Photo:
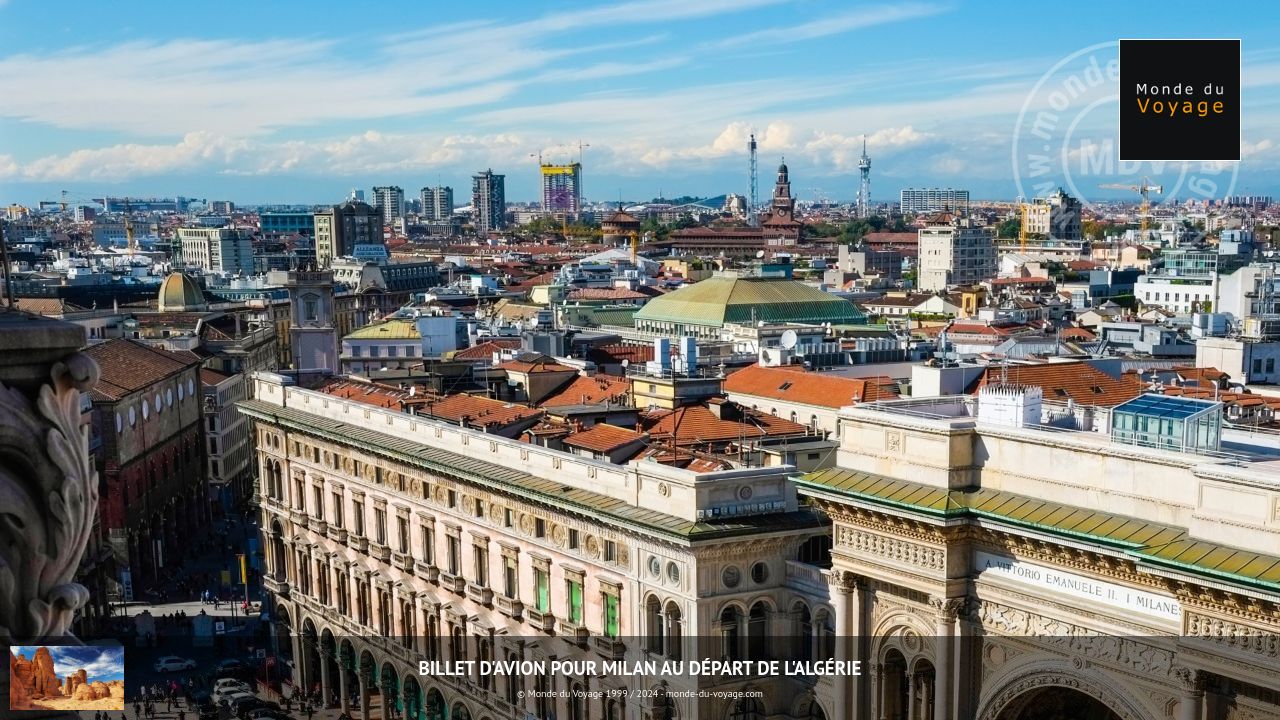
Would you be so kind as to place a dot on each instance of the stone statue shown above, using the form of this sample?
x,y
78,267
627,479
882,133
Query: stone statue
x,y
48,484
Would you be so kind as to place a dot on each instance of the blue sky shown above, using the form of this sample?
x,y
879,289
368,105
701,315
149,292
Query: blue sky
x,y
301,101
101,664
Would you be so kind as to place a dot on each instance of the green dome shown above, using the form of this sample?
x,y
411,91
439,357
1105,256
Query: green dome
x,y
728,298
180,293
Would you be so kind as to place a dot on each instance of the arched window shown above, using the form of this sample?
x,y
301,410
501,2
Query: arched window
x,y
758,632
515,682
731,633
803,631
655,623
746,709
577,709
825,629
794,417
675,632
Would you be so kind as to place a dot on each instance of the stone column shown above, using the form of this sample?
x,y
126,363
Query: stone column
x,y
944,667
913,697
1191,704
42,374
364,695
324,672
882,692
841,588
299,656
344,692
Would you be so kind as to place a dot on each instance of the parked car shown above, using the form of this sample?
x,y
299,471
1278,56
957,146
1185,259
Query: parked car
x,y
230,695
173,663
228,682
242,707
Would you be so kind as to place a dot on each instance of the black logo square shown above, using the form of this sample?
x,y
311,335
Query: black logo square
x,y
1180,100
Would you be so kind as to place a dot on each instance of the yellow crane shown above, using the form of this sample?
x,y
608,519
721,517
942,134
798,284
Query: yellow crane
x,y
1022,227
1144,211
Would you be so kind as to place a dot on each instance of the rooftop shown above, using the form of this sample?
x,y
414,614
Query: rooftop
x,y
1142,541
730,298
128,366
604,438
390,329
808,388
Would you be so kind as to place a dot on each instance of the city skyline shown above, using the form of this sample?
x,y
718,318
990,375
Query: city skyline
x,y
279,107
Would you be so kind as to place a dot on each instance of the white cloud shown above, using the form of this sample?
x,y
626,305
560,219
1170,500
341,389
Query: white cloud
x,y
239,88
858,19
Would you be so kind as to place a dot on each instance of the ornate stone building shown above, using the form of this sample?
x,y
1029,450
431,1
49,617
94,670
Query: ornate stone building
x,y
992,568
393,539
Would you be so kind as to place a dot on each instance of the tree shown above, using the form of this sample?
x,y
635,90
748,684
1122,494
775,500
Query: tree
x,y
1009,228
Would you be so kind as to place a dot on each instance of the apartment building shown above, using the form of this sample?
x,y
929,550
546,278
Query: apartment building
x,y
393,538
955,250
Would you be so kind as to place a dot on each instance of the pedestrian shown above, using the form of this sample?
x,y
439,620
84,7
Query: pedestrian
x,y
311,710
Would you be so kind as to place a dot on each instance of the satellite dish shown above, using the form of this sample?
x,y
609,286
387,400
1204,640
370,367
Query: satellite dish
x,y
789,339
626,363
759,253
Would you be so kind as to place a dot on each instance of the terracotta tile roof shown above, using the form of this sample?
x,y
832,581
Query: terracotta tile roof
x,y
129,366
1075,333
1080,265
604,438
1077,381
486,349
478,412
211,377
683,458
808,388
543,364
595,390
698,425
1208,377
366,392
617,353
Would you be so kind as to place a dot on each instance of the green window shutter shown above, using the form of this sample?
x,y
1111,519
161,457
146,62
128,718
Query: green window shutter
x,y
544,591
611,615
575,603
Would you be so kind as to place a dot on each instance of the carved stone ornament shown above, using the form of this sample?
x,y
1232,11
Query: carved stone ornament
x,y
48,484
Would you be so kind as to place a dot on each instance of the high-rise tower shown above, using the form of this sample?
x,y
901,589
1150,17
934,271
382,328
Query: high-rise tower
x,y
753,203
864,188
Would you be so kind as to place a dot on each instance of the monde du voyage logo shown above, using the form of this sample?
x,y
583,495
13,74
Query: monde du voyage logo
x,y
1180,100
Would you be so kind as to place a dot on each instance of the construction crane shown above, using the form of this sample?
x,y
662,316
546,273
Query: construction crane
x,y
1144,211
1022,227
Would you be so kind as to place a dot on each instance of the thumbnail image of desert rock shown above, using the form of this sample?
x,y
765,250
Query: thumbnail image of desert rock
x,y
33,685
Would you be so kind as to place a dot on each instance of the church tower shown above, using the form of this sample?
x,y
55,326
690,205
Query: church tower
x,y
783,208
312,333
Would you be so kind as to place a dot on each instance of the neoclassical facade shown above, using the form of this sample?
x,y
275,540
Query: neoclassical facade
x,y
994,571
392,539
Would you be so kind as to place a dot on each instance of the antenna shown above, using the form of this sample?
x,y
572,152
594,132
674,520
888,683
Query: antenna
x,y
864,188
753,203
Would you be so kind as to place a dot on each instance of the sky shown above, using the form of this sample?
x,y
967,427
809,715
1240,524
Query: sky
x,y
101,664
299,102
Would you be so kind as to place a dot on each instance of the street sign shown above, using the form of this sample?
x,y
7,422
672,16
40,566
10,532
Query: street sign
x,y
126,585
220,628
